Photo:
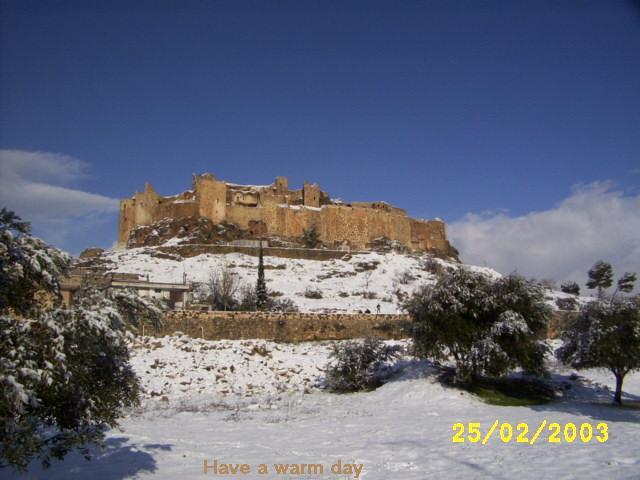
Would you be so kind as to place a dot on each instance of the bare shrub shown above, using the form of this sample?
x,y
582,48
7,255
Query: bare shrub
x,y
221,288
405,277
281,305
431,265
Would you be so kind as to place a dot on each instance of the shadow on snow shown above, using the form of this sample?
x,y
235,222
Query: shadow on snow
x,y
117,460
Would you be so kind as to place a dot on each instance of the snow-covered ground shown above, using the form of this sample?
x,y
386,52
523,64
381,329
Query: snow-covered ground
x,y
341,282
258,402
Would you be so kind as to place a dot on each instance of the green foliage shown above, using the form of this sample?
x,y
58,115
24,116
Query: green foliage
x,y
27,265
10,221
64,373
626,282
572,288
262,297
136,310
488,327
513,392
600,276
569,303
311,237
606,334
356,365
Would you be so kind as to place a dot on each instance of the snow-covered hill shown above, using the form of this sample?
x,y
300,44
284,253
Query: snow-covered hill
x,y
261,402
358,282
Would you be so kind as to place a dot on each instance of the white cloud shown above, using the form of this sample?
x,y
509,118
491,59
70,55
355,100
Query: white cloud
x,y
594,222
38,186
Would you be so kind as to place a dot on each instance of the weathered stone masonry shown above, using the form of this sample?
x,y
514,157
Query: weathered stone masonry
x,y
301,327
284,327
275,210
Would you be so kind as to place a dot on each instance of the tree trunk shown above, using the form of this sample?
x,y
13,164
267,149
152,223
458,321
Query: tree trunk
x,y
617,398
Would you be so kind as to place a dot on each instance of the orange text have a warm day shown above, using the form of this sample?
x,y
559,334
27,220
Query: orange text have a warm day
x,y
337,468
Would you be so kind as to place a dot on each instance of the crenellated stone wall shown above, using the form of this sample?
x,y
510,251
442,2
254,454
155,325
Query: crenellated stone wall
x,y
274,210
283,327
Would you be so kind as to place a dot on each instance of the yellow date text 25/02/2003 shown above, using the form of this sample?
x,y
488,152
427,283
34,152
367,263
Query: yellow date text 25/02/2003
x,y
552,432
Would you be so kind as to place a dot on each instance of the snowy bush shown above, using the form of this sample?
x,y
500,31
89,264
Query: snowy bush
x,y
312,293
569,303
355,365
405,277
433,266
487,327
281,305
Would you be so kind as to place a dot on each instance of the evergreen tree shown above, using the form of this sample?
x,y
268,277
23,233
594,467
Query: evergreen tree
x,y
262,297
600,277
488,327
626,283
27,265
605,335
571,288
64,373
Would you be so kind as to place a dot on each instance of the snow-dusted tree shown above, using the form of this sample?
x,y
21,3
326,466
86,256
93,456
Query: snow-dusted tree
x,y
136,310
311,237
262,296
64,374
27,265
488,327
600,277
625,283
570,287
606,334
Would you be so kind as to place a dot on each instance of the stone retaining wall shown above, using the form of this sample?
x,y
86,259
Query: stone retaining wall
x,y
283,327
294,253
301,327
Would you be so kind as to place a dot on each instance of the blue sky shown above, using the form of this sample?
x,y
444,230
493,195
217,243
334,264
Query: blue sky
x,y
449,109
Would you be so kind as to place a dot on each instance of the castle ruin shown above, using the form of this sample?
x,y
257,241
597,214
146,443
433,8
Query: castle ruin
x,y
276,211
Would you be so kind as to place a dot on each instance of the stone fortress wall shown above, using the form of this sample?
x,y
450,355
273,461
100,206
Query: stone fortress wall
x,y
275,210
